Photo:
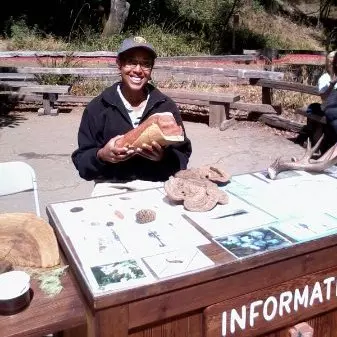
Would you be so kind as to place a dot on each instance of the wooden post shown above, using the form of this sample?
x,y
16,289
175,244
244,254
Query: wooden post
x,y
267,95
236,21
217,114
269,55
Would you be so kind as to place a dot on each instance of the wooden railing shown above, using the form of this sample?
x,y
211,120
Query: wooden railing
x,y
219,104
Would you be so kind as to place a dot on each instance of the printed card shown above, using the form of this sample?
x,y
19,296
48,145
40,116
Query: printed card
x,y
177,262
308,227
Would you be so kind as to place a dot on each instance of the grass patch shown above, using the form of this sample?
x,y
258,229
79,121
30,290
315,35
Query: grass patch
x,y
68,61
22,37
90,87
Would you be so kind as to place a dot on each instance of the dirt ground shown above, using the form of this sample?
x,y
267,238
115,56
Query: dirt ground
x,y
46,143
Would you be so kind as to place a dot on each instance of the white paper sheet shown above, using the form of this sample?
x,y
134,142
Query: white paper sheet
x,y
177,262
104,230
235,216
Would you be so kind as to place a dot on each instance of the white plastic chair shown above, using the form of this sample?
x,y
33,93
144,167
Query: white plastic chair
x,y
16,177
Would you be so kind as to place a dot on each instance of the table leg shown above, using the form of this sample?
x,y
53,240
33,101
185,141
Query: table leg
x,y
110,322
48,102
80,331
226,121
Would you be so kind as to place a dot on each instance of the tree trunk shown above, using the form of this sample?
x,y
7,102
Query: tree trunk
x,y
119,11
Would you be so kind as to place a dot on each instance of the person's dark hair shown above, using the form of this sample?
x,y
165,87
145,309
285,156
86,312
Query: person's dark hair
x,y
334,64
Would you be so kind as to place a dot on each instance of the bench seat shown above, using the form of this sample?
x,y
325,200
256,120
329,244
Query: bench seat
x,y
16,76
49,93
25,87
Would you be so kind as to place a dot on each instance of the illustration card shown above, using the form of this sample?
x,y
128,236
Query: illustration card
x,y
255,241
177,262
308,227
98,244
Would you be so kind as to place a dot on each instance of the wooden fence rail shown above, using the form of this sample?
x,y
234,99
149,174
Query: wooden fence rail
x,y
202,71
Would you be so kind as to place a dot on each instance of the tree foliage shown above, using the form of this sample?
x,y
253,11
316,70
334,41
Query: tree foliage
x,y
210,20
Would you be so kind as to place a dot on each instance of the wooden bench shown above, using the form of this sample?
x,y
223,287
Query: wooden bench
x,y
50,93
268,85
219,104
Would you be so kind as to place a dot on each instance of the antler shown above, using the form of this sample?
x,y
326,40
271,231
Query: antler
x,y
306,163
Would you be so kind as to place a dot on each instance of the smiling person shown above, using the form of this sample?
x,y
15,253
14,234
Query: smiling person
x,y
119,109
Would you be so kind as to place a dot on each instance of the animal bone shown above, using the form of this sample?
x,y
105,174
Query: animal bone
x,y
306,163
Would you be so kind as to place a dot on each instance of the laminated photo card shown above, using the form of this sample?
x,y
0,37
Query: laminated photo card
x,y
117,275
252,242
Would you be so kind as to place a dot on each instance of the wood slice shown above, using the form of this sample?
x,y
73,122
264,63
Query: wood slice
x,y
27,241
160,127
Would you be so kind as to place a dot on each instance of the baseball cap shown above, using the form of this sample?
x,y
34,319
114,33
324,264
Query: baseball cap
x,y
136,42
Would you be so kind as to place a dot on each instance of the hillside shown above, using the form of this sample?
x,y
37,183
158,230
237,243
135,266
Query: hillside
x,y
283,32
290,27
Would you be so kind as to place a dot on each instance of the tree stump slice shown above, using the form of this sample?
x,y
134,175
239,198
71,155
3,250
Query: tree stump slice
x,y
27,241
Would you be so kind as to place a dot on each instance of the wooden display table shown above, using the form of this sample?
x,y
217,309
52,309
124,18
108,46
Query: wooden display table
x,y
257,276
63,313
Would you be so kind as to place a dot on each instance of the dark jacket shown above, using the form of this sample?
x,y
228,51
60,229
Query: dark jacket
x,y
105,117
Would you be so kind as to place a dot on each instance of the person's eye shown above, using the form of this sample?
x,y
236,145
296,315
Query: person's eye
x,y
147,64
132,62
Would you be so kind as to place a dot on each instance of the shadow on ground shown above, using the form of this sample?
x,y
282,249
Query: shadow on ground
x,y
12,113
9,117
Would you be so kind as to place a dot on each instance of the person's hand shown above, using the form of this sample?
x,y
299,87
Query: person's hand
x,y
153,152
112,154
333,80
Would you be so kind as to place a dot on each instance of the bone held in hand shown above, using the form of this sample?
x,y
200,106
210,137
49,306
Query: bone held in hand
x,y
161,128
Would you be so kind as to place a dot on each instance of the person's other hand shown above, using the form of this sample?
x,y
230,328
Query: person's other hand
x,y
112,154
153,152
333,80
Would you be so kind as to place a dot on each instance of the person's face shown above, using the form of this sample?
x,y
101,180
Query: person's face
x,y
135,67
